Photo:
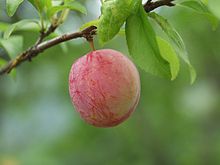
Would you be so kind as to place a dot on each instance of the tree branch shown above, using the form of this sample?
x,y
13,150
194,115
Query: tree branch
x,y
149,5
87,33
40,47
43,34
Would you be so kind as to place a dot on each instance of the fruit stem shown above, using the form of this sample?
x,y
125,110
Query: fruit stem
x,y
91,43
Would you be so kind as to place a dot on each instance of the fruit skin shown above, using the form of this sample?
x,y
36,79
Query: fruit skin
x,y
104,86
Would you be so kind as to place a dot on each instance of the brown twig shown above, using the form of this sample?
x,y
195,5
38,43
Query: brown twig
x,y
44,34
35,50
87,33
149,5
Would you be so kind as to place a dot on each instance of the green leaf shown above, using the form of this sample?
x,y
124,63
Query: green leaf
x,y
176,40
41,5
75,6
3,26
122,32
12,5
114,14
201,8
142,45
31,26
195,5
13,46
90,23
57,3
67,1
205,2
169,54
2,62
170,31
19,25
48,3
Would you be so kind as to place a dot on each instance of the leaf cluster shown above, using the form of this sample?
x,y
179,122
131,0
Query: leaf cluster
x,y
51,13
154,54
151,52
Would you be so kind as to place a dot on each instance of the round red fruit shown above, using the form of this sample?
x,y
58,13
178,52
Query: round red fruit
x,y
104,86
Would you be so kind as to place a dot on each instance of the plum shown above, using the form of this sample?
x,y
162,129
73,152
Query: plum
x,y
104,87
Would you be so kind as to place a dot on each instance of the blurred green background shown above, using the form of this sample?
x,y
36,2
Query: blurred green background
x,y
175,123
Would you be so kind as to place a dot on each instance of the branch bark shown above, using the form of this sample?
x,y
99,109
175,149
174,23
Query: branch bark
x,y
87,33
41,46
149,5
